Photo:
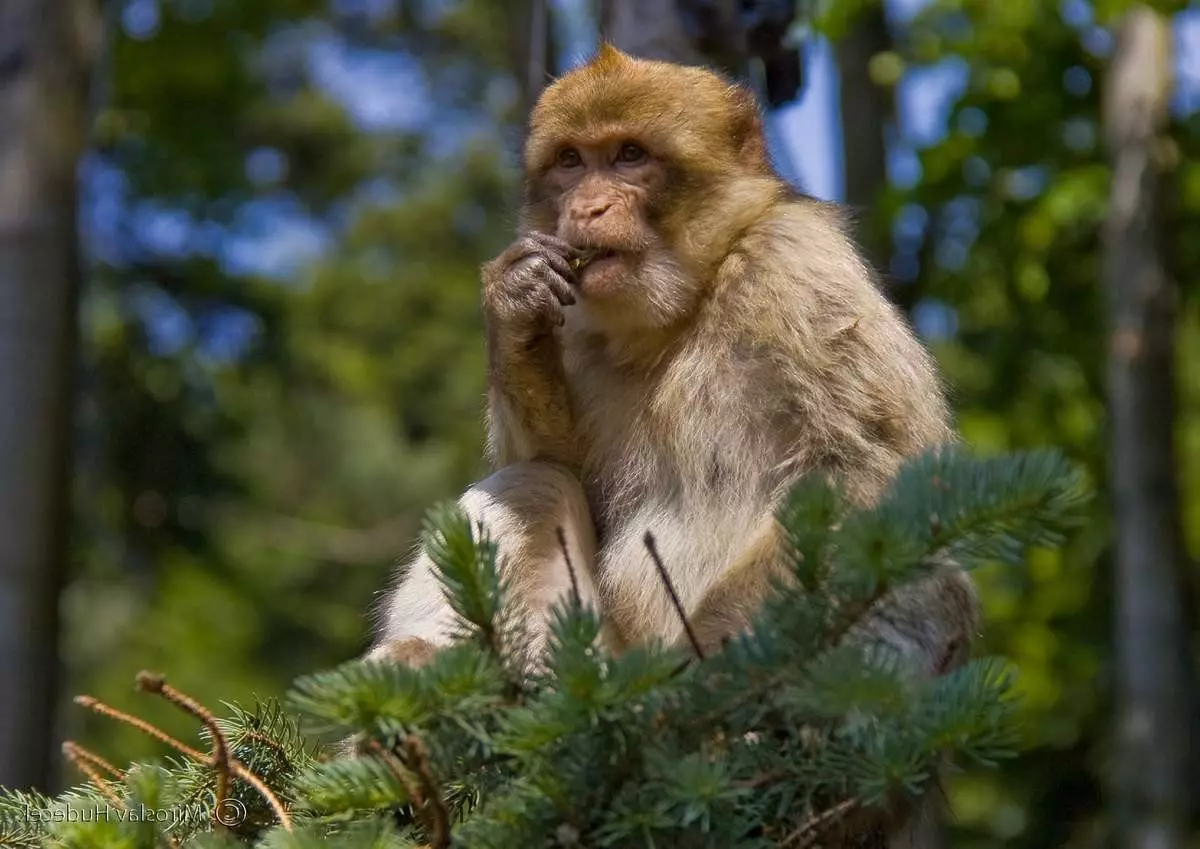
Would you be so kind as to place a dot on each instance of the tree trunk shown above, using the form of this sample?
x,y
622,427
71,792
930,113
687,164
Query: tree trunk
x,y
651,29
43,84
532,50
866,107
1154,680
866,110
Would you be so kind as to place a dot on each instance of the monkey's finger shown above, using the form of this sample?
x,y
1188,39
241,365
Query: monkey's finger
x,y
560,246
521,251
561,289
536,269
559,264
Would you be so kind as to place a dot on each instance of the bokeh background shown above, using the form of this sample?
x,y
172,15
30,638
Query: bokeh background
x,y
283,205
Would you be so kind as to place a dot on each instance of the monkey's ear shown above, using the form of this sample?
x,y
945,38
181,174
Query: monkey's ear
x,y
747,126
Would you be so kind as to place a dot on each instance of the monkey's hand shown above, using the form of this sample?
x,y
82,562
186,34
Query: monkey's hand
x,y
526,288
524,292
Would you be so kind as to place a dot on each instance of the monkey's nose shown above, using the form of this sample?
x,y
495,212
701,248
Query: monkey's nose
x,y
592,211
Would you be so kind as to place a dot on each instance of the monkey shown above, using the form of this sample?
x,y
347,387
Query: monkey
x,y
675,337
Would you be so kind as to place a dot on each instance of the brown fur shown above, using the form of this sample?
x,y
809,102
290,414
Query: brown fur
x,y
738,343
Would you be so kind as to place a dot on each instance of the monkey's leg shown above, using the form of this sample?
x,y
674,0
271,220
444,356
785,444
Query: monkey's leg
x,y
521,506
929,624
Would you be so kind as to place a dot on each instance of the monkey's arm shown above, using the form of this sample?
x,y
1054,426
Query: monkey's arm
x,y
529,409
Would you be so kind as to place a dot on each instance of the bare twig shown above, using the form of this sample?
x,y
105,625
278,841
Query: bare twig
x,y
94,759
88,764
395,768
648,539
220,759
237,767
811,829
562,543
146,728
260,786
417,757
761,780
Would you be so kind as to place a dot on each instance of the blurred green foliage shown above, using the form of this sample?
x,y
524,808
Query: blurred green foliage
x,y
1013,200
257,447
240,500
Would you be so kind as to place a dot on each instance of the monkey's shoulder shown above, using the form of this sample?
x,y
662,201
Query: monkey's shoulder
x,y
798,268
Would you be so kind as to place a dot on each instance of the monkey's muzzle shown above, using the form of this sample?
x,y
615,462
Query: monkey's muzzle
x,y
586,255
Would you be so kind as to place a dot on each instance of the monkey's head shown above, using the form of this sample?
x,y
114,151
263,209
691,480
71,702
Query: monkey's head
x,y
655,167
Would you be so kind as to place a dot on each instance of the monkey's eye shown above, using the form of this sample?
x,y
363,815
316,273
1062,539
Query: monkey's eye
x,y
631,152
569,157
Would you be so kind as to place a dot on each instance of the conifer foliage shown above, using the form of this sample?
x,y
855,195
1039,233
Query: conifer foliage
x,y
780,739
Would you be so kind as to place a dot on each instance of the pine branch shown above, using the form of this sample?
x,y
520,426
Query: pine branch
x,y
808,518
466,567
811,830
787,734
364,783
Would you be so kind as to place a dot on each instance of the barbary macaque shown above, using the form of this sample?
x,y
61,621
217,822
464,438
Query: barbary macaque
x,y
674,339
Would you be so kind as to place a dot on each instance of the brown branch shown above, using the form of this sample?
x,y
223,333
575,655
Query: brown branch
x,y
142,725
562,543
761,780
239,769
95,760
811,829
220,759
277,807
87,763
648,539
415,797
417,757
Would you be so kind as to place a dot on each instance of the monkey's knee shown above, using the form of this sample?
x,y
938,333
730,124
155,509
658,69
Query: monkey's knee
x,y
524,491
930,623
537,513
523,507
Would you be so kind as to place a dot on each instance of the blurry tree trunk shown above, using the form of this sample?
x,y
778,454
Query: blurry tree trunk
x,y
531,44
43,84
1154,685
866,109
651,29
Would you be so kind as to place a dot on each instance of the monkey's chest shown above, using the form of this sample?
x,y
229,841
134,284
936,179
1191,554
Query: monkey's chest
x,y
699,491
704,460
694,543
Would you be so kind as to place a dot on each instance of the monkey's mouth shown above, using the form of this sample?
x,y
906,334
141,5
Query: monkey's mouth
x,y
602,270
591,256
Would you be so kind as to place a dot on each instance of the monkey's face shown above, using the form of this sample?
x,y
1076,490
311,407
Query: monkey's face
x,y
648,165
601,193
